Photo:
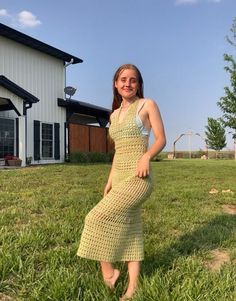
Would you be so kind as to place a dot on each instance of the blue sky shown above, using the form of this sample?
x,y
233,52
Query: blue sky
x,y
177,44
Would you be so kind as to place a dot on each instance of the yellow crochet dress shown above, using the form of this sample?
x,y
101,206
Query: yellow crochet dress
x,y
113,228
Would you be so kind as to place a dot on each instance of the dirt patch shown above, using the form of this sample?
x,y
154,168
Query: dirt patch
x,y
230,209
5,298
175,232
218,259
224,191
213,191
227,191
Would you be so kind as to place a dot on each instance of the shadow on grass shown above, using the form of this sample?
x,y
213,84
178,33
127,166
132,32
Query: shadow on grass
x,y
214,234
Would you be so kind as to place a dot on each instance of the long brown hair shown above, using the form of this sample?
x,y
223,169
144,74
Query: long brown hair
x,y
117,99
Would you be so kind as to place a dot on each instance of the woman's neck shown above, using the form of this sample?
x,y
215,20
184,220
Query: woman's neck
x,y
126,102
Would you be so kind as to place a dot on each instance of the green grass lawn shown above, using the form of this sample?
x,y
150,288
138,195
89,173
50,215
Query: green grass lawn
x,y
42,211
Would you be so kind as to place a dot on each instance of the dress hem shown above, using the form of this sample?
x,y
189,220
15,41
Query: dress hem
x,y
111,260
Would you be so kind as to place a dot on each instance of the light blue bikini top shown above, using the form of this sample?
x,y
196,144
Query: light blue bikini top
x,y
144,131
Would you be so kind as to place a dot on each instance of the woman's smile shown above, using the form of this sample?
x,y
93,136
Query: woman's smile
x,y
127,83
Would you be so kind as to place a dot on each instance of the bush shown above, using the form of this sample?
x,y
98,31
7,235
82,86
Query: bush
x,y
97,157
78,157
90,157
210,154
221,155
160,156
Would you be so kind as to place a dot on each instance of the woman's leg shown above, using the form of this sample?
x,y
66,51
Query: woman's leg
x,y
110,275
134,271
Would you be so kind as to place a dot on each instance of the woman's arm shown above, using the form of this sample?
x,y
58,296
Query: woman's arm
x,y
154,116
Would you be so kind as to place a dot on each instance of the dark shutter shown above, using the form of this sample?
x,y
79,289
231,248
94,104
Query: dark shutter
x,y
66,140
56,141
36,140
17,137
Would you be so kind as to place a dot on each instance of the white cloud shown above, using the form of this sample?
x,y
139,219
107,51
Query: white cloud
x,y
183,2
27,19
216,1
3,13
23,19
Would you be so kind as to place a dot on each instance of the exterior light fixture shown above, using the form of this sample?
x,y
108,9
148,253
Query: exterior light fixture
x,y
70,91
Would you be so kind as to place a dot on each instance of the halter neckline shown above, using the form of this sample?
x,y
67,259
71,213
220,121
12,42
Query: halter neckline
x,y
126,112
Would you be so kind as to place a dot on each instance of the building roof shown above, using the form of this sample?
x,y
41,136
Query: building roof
x,y
26,40
74,106
17,90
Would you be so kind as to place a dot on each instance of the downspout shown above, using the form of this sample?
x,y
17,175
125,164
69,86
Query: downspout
x,y
66,133
65,66
27,105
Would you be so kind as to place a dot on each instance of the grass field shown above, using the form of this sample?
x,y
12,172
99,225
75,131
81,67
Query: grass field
x,y
42,210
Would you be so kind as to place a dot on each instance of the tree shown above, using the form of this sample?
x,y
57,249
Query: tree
x,y
215,134
227,103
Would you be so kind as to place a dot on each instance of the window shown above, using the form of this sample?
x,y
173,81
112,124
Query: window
x,y
47,140
7,137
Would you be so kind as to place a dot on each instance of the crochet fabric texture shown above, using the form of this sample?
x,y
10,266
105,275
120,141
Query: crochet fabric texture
x,y
113,228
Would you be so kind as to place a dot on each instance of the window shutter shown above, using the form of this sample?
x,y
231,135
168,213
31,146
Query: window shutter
x,y
36,140
57,141
17,137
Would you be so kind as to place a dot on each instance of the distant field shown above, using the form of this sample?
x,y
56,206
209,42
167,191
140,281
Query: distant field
x,y
189,238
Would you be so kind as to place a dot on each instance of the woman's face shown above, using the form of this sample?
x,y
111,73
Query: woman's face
x,y
127,84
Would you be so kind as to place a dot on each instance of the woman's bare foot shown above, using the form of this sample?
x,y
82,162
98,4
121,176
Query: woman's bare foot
x,y
124,298
129,293
111,281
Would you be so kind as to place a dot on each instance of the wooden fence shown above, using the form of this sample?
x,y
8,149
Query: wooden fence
x,y
88,138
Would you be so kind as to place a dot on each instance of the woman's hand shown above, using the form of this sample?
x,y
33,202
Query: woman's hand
x,y
107,188
143,166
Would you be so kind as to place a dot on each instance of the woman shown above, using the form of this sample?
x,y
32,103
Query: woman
x,y
113,228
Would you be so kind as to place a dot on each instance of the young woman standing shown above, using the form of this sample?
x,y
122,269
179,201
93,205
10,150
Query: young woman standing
x,y
113,228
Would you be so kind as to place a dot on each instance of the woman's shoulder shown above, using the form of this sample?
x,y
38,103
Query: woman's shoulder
x,y
149,102
114,113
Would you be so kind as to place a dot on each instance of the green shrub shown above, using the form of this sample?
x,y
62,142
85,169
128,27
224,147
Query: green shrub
x,y
90,157
78,157
160,156
210,154
98,157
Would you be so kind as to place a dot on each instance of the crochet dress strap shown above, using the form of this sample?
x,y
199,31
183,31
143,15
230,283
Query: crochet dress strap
x,y
142,105
113,228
